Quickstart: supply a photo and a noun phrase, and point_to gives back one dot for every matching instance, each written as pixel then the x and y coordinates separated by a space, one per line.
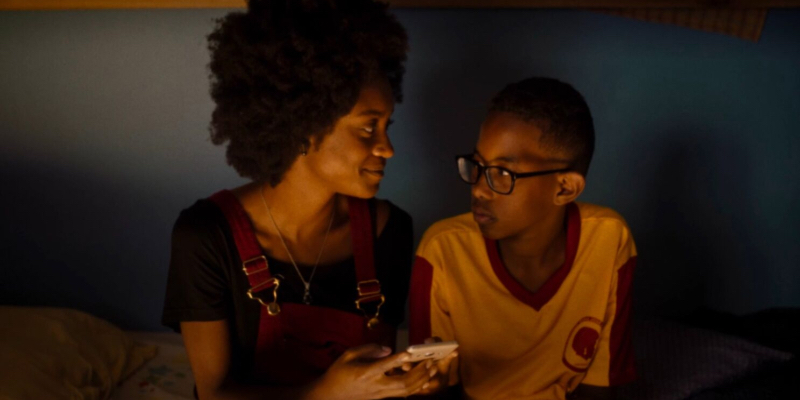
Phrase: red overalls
pixel 297 342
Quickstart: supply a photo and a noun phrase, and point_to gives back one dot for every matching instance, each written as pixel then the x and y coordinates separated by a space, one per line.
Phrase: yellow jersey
pixel 518 344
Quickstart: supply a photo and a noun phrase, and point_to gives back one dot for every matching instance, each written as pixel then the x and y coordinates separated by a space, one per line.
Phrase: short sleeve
pixel 430 312
pixel 428 307
pixel 197 283
pixel 613 363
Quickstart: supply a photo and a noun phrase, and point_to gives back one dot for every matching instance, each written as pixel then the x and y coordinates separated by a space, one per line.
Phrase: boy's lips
pixel 482 216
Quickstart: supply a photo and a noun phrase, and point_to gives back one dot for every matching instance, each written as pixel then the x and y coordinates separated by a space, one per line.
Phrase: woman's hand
pixel 440 380
pixel 361 373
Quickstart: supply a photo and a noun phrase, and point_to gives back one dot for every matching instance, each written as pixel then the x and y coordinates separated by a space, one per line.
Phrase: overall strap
pixel 368 286
pixel 254 263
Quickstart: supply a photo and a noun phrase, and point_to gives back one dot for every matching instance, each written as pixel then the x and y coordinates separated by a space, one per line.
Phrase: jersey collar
pixel 539 298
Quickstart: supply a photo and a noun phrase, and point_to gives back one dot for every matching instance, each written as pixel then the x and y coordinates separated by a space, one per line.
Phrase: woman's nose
pixel 383 147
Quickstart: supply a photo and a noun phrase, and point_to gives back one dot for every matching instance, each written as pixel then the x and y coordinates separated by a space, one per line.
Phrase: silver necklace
pixel 306 295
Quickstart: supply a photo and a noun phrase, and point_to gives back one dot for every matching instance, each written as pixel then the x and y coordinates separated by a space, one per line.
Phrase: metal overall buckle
pixel 370 292
pixel 273 308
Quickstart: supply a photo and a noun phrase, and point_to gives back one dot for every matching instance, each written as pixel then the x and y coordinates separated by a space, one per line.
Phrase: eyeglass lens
pixel 499 179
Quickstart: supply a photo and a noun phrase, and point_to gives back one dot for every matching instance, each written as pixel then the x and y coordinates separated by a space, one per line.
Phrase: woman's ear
pixel 313 144
pixel 570 186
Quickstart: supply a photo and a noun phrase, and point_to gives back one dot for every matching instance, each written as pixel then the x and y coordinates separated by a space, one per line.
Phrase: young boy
pixel 535 287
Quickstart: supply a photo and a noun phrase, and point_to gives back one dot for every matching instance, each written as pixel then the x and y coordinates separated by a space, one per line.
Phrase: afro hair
pixel 286 70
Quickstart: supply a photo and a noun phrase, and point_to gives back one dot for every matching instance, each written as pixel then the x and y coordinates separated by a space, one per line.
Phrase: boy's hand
pixel 440 374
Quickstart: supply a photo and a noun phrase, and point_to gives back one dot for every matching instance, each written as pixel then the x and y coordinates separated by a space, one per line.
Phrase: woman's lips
pixel 378 173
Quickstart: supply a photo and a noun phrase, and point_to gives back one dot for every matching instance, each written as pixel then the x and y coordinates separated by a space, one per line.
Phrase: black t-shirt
pixel 206 281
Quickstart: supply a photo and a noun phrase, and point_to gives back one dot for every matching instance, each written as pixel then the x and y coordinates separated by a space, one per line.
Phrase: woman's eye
pixel 370 128
pixel 504 172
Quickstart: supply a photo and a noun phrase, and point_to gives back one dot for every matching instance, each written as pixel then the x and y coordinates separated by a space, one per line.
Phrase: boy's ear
pixel 570 186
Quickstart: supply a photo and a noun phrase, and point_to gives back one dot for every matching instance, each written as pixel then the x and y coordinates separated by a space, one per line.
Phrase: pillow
pixel 57 353
pixel 675 361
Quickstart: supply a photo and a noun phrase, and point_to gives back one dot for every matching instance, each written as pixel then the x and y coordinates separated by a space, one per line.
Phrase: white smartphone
pixel 435 351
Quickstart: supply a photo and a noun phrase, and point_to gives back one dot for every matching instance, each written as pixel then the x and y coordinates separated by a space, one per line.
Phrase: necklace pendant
pixel 273 308
pixel 307 298
pixel 373 322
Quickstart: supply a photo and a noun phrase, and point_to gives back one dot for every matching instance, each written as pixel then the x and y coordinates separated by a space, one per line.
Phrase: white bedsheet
pixel 168 376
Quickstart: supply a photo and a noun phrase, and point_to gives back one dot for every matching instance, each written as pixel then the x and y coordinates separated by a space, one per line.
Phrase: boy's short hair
pixel 558 110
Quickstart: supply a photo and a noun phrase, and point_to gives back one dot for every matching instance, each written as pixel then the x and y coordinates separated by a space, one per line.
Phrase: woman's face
pixel 351 159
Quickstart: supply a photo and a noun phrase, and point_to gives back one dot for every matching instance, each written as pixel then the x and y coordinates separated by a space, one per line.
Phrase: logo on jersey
pixel 582 344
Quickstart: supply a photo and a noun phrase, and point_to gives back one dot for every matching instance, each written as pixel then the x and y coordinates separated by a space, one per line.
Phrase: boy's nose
pixel 481 189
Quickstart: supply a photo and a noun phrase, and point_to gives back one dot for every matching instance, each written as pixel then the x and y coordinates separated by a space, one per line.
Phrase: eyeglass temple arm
pixel 539 173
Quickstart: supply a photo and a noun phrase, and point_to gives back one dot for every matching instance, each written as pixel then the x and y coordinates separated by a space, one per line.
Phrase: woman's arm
pixel 358 374
pixel 208 347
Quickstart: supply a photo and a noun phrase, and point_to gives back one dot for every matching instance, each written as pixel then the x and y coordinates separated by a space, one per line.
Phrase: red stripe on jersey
pixel 621 366
pixel 419 301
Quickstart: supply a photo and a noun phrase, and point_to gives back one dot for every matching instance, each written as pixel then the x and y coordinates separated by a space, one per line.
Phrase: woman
pixel 292 286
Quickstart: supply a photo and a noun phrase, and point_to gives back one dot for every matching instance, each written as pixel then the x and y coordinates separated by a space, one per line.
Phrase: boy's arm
pixel 428 310
pixel 613 363
pixel 419 301
pixel 429 314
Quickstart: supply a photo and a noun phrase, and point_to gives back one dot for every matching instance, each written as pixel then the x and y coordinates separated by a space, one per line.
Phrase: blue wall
pixel 104 114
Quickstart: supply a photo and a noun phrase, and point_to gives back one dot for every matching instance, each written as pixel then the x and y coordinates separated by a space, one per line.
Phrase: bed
pixel 714 356
pixel 55 353
pixel 167 376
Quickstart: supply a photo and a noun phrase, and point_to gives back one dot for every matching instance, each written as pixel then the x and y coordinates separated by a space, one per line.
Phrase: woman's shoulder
pixel 387 211
pixel 391 218
pixel 201 221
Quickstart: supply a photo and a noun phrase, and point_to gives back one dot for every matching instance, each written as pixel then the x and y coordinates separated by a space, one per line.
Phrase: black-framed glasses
pixel 500 180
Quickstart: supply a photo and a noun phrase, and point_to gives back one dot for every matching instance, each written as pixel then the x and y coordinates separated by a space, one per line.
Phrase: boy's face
pixel 507 141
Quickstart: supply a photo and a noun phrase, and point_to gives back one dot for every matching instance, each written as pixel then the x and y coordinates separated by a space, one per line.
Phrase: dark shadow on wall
pixel 73 239
pixel 449 122
pixel 693 239
pixel 694 223
pixel 450 103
